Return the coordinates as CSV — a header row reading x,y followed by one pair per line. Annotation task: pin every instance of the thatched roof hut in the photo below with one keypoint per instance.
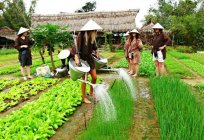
x,y
113,21
7,33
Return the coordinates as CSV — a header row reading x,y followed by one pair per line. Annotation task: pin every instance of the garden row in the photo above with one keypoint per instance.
x,y
36,63
23,91
6,82
180,115
101,129
193,61
39,119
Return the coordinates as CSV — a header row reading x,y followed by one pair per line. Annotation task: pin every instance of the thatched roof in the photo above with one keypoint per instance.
x,y
7,33
115,21
147,28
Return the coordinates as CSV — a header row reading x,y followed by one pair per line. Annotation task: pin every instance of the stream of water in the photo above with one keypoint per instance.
x,y
127,79
106,106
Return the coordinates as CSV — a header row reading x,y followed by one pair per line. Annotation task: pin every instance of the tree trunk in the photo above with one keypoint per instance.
x,y
51,58
43,60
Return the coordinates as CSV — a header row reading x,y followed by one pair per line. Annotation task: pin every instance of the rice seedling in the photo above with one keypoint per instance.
x,y
113,129
180,115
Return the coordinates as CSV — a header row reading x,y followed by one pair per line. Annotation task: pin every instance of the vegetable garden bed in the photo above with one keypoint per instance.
x,y
180,115
39,119
21,92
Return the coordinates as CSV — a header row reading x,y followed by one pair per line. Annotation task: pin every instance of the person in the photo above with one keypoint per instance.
x,y
126,47
86,45
160,41
23,45
134,52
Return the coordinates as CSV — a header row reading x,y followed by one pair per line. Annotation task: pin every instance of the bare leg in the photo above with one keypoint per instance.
x,y
162,68
157,67
131,67
136,69
28,72
83,89
22,71
93,81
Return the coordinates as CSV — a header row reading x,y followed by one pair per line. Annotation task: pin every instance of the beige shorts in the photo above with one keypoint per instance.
x,y
159,57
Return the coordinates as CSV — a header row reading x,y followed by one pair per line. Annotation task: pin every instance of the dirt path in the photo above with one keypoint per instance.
x,y
145,125
76,123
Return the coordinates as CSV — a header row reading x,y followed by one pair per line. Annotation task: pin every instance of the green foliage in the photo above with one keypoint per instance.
x,y
52,35
89,6
5,51
180,116
109,41
39,119
113,129
176,69
15,14
146,67
23,91
185,49
6,82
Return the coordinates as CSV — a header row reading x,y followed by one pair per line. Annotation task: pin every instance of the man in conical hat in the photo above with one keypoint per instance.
x,y
23,45
86,44
160,41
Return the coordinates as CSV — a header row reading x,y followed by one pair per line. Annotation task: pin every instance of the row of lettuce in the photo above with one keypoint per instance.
x,y
20,92
39,119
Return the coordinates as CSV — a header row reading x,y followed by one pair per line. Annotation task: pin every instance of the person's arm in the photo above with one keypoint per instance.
x,y
77,46
16,45
167,41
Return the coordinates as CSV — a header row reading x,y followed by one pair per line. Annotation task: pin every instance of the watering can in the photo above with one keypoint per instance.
x,y
77,72
99,62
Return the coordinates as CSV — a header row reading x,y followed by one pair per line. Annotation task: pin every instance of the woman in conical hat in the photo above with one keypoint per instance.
x,y
134,52
126,48
23,45
160,41
86,44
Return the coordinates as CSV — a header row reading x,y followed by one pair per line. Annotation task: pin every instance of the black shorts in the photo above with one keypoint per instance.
x,y
25,61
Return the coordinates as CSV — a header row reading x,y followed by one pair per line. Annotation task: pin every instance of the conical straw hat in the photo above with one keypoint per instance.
x,y
63,54
22,30
157,26
91,25
134,31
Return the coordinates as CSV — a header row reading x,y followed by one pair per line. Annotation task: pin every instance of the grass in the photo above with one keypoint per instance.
x,y
175,68
118,129
16,68
194,56
5,51
195,66
179,114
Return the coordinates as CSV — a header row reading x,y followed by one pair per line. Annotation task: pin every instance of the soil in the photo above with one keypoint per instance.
x,y
145,125
76,123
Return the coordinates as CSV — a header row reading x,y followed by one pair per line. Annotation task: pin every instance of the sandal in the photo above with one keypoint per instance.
x,y
135,75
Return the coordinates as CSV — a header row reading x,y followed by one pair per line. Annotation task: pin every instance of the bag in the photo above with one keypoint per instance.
x,y
43,70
